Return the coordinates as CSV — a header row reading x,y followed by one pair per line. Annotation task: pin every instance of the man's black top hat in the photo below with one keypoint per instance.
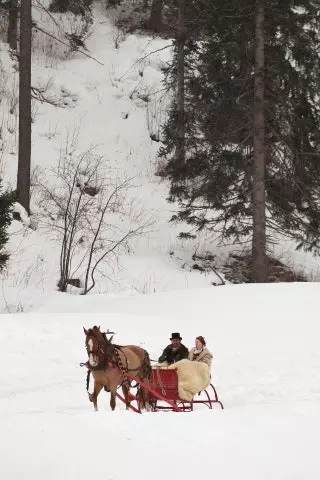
x,y
175,336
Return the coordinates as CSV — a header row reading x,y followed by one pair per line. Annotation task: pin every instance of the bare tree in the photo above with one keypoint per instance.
x,y
258,195
84,207
24,157
13,24
96,254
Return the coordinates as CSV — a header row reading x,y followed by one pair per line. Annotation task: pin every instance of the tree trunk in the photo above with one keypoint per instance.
x,y
155,22
180,150
13,24
259,260
24,160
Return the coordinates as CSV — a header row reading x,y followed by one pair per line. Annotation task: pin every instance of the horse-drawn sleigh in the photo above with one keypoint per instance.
x,y
155,388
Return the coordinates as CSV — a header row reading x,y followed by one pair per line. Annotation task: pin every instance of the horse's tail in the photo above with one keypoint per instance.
x,y
147,365
145,374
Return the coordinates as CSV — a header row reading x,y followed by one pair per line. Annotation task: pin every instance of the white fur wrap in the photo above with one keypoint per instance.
x,y
192,378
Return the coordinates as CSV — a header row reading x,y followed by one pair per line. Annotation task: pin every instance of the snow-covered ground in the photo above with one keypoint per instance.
x,y
265,341
264,338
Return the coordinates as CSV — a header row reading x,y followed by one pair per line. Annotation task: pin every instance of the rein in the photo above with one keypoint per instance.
x,y
86,364
118,364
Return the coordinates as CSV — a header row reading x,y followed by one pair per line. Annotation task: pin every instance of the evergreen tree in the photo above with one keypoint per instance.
x,y
155,22
77,7
181,140
12,7
215,186
13,24
6,200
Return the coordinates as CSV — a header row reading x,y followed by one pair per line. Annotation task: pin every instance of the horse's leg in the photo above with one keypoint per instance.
x,y
112,400
142,393
93,397
145,395
145,373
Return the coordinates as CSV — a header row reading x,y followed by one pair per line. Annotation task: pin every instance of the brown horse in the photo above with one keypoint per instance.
x,y
109,362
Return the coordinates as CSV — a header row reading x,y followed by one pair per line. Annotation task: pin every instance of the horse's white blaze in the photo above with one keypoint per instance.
x,y
92,360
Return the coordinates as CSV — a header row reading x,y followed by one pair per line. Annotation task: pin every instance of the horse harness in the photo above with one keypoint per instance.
x,y
107,362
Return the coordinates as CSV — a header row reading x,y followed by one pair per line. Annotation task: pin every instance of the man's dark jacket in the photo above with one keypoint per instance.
x,y
171,356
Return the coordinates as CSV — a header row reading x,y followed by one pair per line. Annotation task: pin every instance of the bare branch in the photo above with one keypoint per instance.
x,y
143,58
66,44
112,249
39,94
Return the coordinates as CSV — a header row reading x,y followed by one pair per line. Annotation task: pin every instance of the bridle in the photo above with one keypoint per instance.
x,y
108,354
101,349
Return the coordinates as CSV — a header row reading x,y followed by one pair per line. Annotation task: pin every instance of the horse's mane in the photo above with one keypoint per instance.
x,y
93,332
109,342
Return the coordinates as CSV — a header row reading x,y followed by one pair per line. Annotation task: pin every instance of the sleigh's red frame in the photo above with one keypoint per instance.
x,y
163,393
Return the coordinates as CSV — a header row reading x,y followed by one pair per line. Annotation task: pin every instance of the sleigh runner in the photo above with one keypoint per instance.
x,y
167,389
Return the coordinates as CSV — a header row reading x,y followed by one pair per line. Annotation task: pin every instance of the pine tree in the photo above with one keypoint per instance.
x,y
155,22
259,253
6,200
215,187
180,133
12,8
13,24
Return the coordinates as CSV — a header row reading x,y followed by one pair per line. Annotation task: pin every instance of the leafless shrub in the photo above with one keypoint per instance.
x,y
88,210
57,97
155,118
56,36
119,36
52,132
71,142
8,110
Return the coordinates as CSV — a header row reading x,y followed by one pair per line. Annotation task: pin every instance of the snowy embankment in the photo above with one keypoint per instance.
x,y
266,370
110,104
114,102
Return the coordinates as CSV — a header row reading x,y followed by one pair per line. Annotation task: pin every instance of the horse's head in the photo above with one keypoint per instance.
x,y
97,346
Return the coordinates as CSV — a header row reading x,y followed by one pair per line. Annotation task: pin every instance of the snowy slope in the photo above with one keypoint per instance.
x,y
104,107
266,370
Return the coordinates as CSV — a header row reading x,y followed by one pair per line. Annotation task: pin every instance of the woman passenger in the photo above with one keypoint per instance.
x,y
200,353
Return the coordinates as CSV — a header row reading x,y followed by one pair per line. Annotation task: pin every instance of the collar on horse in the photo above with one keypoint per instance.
x,y
110,359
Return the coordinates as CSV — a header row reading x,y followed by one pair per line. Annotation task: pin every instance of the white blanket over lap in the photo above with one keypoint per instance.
x,y
192,378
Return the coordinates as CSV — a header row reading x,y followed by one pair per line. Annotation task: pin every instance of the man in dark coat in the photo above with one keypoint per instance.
x,y
175,351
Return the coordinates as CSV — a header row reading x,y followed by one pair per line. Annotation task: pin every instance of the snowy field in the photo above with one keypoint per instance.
x,y
265,341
